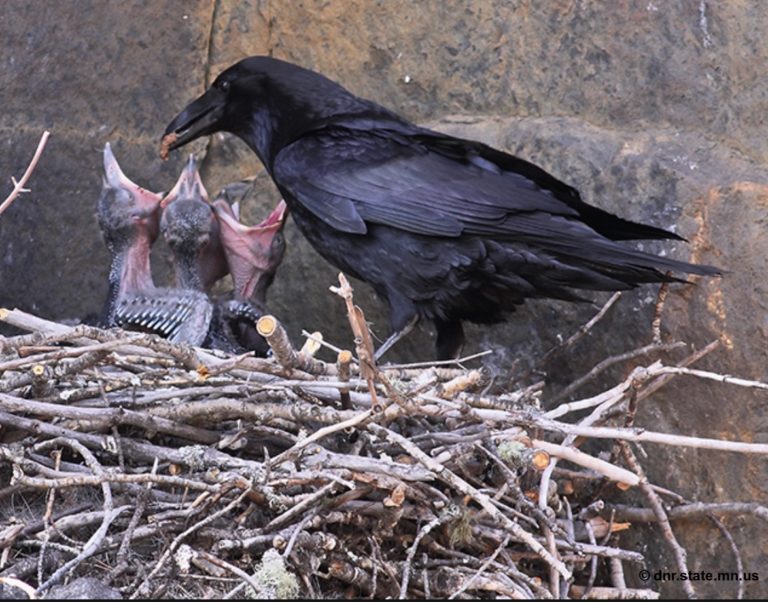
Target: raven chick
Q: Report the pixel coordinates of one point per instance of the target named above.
(129, 218)
(444, 229)
(190, 228)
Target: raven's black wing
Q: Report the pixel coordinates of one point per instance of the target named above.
(348, 177)
(416, 182)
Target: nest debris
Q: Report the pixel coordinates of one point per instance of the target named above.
(170, 471)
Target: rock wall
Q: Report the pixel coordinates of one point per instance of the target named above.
(654, 110)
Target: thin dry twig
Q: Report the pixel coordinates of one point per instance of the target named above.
(681, 556)
(18, 186)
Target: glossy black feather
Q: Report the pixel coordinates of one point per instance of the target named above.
(443, 228)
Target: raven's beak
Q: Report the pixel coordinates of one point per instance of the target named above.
(199, 118)
(188, 186)
(114, 177)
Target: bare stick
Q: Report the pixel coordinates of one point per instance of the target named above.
(457, 361)
(608, 362)
(287, 516)
(584, 329)
(18, 187)
(92, 545)
(657, 311)
(320, 341)
(736, 554)
(687, 511)
(611, 471)
(143, 587)
(616, 394)
(445, 517)
(19, 584)
(721, 378)
(278, 341)
(617, 574)
(660, 381)
(363, 340)
(121, 558)
(661, 516)
(639, 435)
(257, 587)
(343, 362)
(468, 584)
(270, 328)
(319, 434)
(449, 477)
(85, 480)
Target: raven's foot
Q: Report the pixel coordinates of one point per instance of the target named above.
(395, 337)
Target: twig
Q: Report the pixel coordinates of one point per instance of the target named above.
(583, 330)
(736, 554)
(121, 558)
(363, 340)
(343, 362)
(657, 311)
(297, 531)
(300, 508)
(468, 584)
(639, 436)
(592, 563)
(617, 574)
(661, 516)
(660, 381)
(19, 584)
(320, 341)
(445, 475)
(92, 545)
(319, 434)
(47, 519)
(687, 511)
(608, 362)
(142, 589)
(257, 588)
(571, 454)
(423, 532)
(18, 186)
(458, 361)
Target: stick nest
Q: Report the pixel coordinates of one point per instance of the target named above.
(168, 471)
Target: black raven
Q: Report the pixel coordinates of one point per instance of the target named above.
(444, 229)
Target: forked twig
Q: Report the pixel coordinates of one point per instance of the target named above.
(18, 186)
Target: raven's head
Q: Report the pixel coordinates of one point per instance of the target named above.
(266, 102)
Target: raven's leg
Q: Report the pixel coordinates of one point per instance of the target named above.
(395, 337)
(450, 339)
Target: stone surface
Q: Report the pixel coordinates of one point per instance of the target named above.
(83, 588)
(654, 110)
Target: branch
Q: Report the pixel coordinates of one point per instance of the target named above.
(18, 187)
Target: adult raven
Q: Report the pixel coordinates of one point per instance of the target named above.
(444, 229)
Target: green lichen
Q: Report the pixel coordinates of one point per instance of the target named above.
(276, 580)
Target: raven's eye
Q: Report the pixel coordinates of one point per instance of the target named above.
(224, 86)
